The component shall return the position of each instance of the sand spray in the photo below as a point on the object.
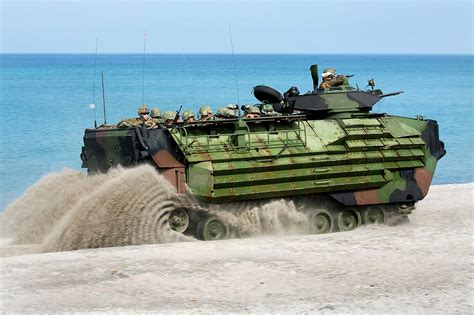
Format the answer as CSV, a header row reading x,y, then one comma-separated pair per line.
x,y
70,210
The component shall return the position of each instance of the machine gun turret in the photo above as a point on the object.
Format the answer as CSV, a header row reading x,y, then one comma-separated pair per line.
x,y
322,102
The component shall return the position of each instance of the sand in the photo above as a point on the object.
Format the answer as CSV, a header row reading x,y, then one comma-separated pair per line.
x,y
423,266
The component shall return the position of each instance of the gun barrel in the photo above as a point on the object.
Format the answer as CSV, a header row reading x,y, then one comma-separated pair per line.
x,y
391,94
176,118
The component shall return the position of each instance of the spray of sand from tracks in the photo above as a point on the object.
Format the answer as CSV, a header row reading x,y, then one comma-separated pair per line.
x,y
271,217
29,218
70,210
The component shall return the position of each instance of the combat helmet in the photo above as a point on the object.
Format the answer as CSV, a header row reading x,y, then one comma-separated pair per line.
x,y
155,113
205,110
250,109
232,106
225,112
169,115
267,109
188,114
142,110
328,72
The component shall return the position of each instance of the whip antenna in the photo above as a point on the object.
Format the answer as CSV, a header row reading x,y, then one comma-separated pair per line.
x,y
143,68
92,106
187,70
235,67
103,97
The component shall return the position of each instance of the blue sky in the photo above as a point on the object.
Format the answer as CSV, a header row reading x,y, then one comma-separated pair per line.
x,y
417,26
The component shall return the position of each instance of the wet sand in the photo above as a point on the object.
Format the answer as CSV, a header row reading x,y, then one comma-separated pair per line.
x,y
423,266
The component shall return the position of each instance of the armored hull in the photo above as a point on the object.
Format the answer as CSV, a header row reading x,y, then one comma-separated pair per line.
x,y
371,168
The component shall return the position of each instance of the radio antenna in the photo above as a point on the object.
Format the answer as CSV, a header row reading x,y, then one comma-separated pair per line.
x,y
143,68
187,68
103,97
188,71
235,67
92,106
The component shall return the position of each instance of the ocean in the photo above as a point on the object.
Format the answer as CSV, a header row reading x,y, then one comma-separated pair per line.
x,y
45,98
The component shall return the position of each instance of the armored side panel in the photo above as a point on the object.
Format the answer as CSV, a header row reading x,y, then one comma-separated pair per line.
x,y
336,100
105,148
252,159
408,184
162,152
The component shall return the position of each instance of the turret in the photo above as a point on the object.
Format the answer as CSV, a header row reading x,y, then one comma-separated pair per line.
x,y
322,102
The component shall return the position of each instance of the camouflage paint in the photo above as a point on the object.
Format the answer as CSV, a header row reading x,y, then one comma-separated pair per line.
x,y
415,184
356,157
105,148
337,99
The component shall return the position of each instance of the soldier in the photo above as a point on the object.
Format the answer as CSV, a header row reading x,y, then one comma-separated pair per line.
x,y
267,110
143,117
143,113
205,112
188,116
168,118
156,115
225,113
234,108
251,111
330,79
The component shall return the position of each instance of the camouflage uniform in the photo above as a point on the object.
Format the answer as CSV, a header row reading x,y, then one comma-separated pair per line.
x,y
141,119
332,81
130,122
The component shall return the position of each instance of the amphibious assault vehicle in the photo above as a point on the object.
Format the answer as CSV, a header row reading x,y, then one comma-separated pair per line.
x,y
372,167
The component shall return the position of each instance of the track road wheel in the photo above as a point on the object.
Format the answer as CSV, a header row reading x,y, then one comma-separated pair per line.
x,y
179,220
374,215
348,219
212,229
320,222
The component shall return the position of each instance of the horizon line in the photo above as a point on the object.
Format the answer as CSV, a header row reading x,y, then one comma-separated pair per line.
x,y
241,53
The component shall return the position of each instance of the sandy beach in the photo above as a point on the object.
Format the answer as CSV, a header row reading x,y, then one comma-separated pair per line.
x,y
422,266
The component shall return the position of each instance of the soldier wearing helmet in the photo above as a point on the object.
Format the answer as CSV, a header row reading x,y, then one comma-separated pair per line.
x,y
251,111
330,79
267,110
225,113
156,115
188,116
234,108
143,118
205,112
143,113
168,118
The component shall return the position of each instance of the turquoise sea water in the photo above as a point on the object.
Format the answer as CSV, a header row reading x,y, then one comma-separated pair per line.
x,y
45,98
